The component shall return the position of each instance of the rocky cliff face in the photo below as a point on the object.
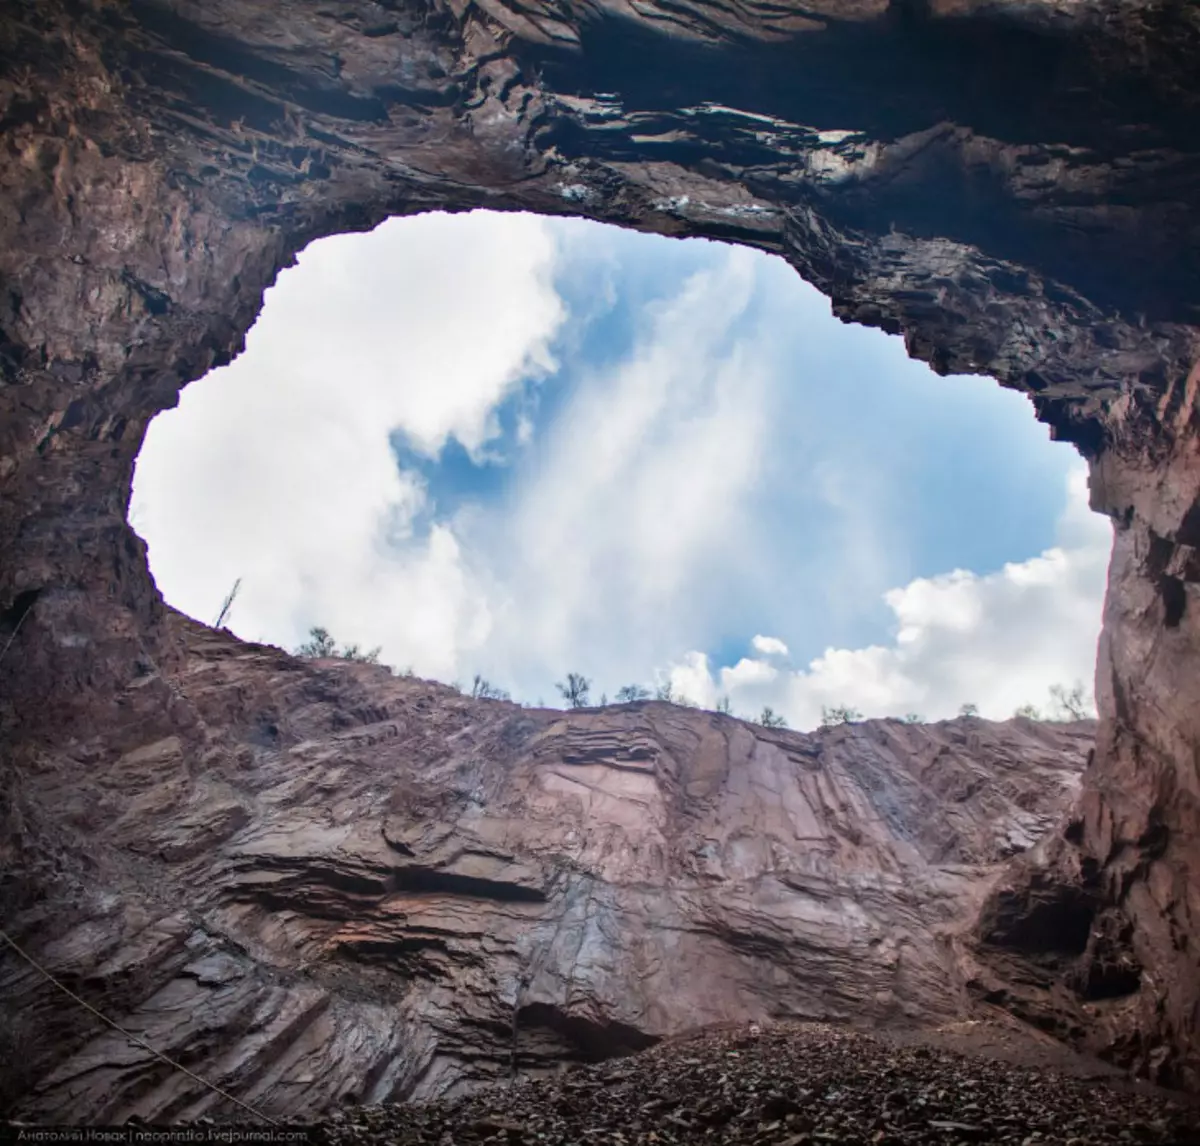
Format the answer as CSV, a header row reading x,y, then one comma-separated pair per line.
x,y
334,882
1012,186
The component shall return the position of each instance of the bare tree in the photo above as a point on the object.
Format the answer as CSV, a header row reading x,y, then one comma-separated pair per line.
x,y
1029,712
320,644
724,706
769,718
354,653
1069,704
839,714
628,693
665,692
227,604
574,690
483,689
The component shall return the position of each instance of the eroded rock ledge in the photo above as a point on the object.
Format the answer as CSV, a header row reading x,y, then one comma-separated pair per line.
x,y
1011,186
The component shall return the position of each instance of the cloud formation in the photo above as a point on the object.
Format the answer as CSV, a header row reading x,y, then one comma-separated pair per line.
x,y
640,483
279,468
998,640
656,446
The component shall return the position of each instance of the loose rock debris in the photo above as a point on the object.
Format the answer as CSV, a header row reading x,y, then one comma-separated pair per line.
x,y
795,1085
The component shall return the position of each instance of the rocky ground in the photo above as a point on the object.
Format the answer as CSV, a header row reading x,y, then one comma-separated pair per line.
x,y
795,1085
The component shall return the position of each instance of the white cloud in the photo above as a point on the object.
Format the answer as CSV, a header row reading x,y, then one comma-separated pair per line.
x,y
998,640
691,680
642,481
629,523
769,646
278,468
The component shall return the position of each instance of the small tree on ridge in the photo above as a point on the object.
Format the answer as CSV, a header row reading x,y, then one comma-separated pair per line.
x,y
771,719
483,689
1069,704
839,714
628,693
321,645
574,689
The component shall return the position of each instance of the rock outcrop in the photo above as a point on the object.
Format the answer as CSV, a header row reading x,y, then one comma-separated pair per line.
x,y
1011,186
335,882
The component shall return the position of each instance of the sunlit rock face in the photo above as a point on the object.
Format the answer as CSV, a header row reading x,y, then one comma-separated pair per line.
x,y
339,883
1011,186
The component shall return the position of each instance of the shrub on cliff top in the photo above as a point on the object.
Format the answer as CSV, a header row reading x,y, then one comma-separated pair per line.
x,y
575,689
839,714
321,645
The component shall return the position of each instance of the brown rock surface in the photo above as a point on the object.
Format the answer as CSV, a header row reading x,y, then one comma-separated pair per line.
x,y
1012,186
340,882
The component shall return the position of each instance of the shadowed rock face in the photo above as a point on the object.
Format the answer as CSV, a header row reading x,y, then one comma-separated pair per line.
x,y
335,882
1012,187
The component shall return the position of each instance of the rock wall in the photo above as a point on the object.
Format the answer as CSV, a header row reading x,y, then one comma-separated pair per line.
x,y
1012,187
1131,852
333,882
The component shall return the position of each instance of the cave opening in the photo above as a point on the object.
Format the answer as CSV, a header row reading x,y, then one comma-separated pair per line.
x,y
1011,187
504,447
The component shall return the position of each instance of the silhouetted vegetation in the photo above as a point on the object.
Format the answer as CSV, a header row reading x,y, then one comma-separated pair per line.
x,y
483,689
628,693
1069,703
574,690
839,714
769,718
969,710
321,645
1066,704
227,605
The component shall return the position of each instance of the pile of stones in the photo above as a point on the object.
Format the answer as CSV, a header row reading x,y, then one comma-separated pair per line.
x,y
789,1085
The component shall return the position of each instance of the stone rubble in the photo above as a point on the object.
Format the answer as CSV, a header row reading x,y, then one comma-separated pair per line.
x,y
792,1085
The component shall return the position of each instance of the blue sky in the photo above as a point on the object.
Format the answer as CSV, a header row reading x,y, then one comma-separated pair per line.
x,y
520,446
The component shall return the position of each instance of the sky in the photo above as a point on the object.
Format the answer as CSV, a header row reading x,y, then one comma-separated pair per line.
x,y
521,447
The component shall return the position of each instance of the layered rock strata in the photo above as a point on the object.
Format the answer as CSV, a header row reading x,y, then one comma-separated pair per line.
x,y
335,883
1011,186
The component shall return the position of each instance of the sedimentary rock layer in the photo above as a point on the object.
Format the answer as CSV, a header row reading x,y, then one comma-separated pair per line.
x,y
336,882
1011,186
